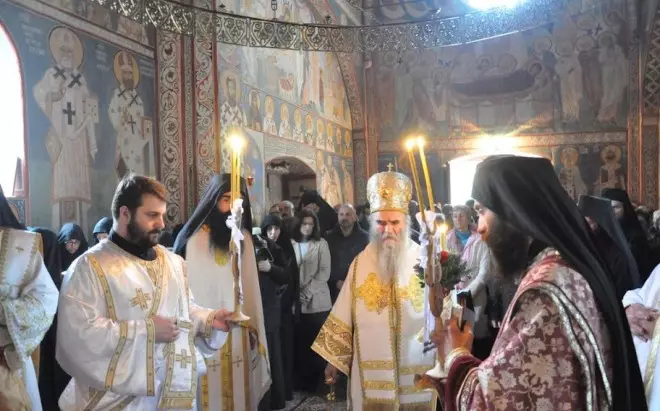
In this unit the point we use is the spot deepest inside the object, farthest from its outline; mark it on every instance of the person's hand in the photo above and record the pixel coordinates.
(331, 374)
(166, 329)
(340, 284)
(220, 320)
(264, 266)
(450, 337)
(642, 320)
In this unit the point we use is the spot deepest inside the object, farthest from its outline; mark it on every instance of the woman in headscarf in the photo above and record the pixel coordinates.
(72, 244)
(102, 229)
(290, 299)
(312, 200)
(52, 378)
(632, 229)
(611, 243)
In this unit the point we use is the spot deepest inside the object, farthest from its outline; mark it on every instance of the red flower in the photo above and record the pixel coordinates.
(444, 256)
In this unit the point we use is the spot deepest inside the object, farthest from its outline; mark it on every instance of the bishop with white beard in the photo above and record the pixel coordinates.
(371, 333)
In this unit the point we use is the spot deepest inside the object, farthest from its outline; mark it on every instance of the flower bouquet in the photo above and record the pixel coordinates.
(453, 270)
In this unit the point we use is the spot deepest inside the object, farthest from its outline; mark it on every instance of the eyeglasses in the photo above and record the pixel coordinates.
(73, 242)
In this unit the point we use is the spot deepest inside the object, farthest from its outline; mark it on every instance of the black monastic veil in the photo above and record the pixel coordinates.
(219, 185)
(7, 217)
(526, 192)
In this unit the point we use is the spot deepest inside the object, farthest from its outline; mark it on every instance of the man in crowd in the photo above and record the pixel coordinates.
(567, 345)
(28, 301)
(238, 375)
(346, 240)
(129, 331)
(465, 241)
(380, 302)
(642, 313)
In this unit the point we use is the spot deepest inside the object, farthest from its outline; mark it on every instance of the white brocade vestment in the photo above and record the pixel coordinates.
(106, 337)
(239, 374)
(647, 351)
(28, 301)
(371, 335)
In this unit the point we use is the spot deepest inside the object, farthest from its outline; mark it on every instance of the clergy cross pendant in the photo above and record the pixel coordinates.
(183, 358)
(141, 298)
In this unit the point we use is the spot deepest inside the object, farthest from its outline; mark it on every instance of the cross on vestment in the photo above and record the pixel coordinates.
(59, 73)
(141, 298)
(122, 92)
(183, 358)
(20, 249)
(75, 80)
(69, 112)
(133, 100)
(389, 167)
(213, 365)
(238, 362)
(132, 123)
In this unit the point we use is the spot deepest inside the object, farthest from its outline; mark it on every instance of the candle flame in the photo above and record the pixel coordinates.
(410, 144)
(237, 142)
(444, 228)
(420, 141)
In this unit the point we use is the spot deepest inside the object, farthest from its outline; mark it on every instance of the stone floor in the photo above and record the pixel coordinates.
(308, 402)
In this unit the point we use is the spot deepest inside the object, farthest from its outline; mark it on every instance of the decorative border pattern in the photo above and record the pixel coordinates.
(240, 30)
(652, 75)
(634, 119)
(205, 108)
(650, 165)
(168, 48)
(80, 23)
(348, 70)
(189, 141)
(360, 170)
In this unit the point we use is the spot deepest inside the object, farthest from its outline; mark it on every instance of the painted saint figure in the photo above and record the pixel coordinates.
(570, 176)
(297, 126)
(285, 124)
(269, 118)
(126, 114)
(64, 98)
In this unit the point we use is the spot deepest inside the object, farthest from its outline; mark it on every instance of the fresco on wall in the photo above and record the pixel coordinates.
(582, 169)
(253, 165)
(569, 76)
(90, 112)
(291, 101)
(334, 178)
(103, 17)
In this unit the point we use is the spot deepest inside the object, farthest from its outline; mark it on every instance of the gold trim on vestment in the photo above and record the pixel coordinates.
(112, 368)
(373, 404)
(335, 343)
(246, 366)
(151, 344)
(208, 325)
(227, 373)
(96, 397)
(179, 399)
(650, 362)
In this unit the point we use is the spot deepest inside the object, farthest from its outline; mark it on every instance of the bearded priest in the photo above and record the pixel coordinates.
(129, 331)
(371, 332)
(238, 375)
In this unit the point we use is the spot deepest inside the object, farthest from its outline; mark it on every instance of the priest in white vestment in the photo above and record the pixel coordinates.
(642, 307)
(28, 301)
(371, 333)
(129, 332)
(238, 375)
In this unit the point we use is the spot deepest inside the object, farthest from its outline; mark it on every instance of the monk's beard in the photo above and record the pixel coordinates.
(390, 254)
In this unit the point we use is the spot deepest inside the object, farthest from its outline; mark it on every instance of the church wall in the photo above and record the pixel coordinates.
(570, 87)
(87, 179)
(289, 104)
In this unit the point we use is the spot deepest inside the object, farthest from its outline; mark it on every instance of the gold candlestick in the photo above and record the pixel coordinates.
(425, 169)
(413, 168)
(237, 142)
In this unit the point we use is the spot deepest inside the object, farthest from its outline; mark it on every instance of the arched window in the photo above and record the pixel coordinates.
(12, 151)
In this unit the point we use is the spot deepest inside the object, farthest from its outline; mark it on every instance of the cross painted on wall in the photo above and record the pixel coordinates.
(69, 112)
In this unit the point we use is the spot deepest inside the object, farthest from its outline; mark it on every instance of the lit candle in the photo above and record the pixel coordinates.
(443, 236)
(425, 169)
(236, 142)
(413, 167)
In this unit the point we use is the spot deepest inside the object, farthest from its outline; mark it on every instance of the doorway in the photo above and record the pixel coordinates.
(286, 179)
(461, 174)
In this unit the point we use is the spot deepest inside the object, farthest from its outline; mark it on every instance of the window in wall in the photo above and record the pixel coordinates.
(11, 117)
